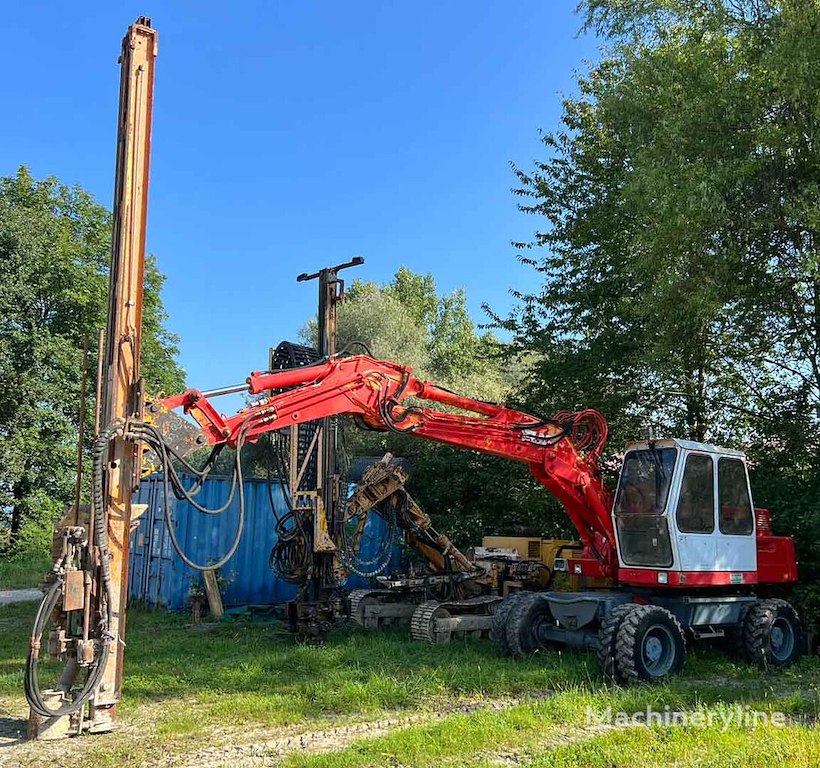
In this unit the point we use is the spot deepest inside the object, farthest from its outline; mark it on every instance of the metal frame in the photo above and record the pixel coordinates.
(121, 372)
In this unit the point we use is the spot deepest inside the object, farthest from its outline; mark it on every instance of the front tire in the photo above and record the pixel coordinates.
(772, 634)
(524, 621)
(650, 645)
(607, 637)
(498, 628)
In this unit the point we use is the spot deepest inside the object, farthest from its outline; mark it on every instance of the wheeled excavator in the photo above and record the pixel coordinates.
(454, 594)
(678, 548)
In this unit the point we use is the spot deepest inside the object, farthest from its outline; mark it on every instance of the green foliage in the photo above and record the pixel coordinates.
(417, 293)
(680, 208)
(54, 255)
(468, 494)
(677, 244)
(24, 572)
(158, 364)
(388, 327)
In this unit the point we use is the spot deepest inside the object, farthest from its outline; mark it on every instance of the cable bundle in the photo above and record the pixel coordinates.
(52, 598)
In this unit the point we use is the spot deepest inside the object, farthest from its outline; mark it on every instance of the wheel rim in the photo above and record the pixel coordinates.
(782, 639)
(658, 650)
(542, 620)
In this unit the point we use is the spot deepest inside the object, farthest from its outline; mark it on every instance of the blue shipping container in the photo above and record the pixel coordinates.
(157, 575)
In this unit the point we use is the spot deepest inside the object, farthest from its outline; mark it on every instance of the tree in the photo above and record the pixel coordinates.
(387, 326)
(676, 242)
(54, 255)
(677, 249)
(468, 494)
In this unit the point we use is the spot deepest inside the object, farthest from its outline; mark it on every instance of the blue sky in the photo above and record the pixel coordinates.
(293, 135)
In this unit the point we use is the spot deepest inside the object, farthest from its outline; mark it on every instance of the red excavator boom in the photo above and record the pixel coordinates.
(562, 451)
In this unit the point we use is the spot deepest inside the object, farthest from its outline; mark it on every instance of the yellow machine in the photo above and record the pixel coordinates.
(546, 560)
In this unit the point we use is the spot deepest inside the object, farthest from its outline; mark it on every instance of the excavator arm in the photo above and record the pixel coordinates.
(562, 452)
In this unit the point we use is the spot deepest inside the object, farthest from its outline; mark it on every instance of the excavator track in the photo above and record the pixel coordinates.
(360, 598)
(473, 616)
(394, 608)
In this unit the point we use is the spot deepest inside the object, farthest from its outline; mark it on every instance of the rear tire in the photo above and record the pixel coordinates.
(498, 628)
(523, 623)
(607, 635)
(734, 640)
(772, 634)
(650, 645)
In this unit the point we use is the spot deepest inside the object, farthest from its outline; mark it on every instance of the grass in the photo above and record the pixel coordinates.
(707, 748)
(23, 573)
(186, 690)
(536, 735)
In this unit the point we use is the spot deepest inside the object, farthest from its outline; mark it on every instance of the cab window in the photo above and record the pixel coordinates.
(696, 505)
(645, 479)
(643, 532)
(735, 504)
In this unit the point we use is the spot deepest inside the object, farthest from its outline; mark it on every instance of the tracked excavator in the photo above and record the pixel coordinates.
(454, 594)
(678, 549)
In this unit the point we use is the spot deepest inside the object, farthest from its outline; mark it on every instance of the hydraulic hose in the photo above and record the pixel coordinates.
(152, 437)
(52, 598)
(368, 568)
(32, 681)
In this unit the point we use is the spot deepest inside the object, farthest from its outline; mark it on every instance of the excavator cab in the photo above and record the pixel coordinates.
(685, 507)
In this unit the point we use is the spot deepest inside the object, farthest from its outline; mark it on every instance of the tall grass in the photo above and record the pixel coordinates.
(23, 572)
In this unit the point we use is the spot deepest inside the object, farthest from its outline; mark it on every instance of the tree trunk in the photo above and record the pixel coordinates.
(20, 490)
(814, 348)
(700, 405)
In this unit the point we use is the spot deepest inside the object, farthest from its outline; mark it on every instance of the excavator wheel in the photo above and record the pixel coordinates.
(524, 620)
(607, 635)
(498, 630)
(649, 645)
(734, 641)
(772, 634)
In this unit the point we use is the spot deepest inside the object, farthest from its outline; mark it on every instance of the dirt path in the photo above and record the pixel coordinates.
(236, 747)
(259, 749)
(8, 596)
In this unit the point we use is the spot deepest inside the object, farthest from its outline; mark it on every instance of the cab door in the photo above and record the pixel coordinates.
(695, 514)
(736, 544)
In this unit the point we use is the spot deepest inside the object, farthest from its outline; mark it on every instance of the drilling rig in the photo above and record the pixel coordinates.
(454, 594)
(86, 597)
